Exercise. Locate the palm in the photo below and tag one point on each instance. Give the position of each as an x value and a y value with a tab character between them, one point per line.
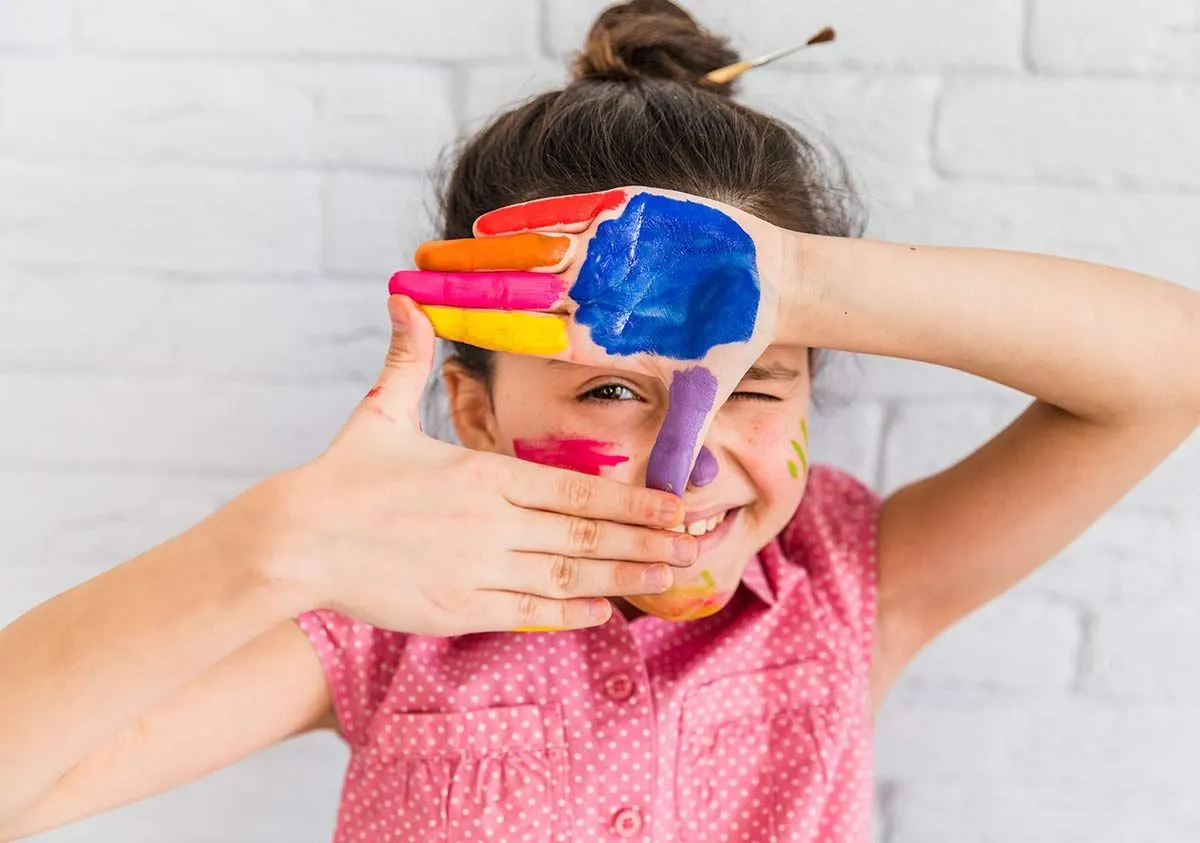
650	281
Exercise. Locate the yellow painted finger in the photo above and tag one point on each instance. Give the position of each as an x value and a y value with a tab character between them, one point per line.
512	331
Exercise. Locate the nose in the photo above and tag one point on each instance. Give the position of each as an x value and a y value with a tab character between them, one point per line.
705	469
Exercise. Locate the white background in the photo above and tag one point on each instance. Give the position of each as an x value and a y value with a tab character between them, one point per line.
201	202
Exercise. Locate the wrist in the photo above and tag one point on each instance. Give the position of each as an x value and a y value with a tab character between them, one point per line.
798	296
254	535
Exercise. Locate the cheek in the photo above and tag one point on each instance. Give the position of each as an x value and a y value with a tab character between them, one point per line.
777	454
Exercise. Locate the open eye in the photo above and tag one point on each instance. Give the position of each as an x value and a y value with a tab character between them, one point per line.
610	392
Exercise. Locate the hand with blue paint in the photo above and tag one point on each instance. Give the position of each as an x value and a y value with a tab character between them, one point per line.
679	287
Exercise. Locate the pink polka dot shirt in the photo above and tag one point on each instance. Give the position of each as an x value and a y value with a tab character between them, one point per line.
750	725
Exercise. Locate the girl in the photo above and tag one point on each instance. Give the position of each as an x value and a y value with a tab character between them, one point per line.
694	256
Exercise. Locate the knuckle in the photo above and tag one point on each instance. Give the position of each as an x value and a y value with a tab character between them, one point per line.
584	535
578	492
564	574
527	610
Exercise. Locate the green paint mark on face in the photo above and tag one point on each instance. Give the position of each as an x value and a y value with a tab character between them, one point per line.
799	449
804	430
708	579
792	469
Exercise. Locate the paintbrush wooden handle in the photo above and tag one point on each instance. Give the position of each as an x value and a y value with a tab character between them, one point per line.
723	75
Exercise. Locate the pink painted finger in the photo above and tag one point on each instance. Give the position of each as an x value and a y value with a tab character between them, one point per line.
559	213
479	290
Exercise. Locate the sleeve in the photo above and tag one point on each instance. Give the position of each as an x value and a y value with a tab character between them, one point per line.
360	662
833	536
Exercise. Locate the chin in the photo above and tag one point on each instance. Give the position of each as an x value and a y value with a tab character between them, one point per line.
683	602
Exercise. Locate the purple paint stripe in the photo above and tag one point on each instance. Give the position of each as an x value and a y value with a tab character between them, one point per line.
690	399
484	290
705	470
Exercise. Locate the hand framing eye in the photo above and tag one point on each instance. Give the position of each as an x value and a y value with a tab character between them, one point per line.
661	283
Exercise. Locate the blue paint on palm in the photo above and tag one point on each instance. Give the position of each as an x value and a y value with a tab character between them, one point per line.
668	277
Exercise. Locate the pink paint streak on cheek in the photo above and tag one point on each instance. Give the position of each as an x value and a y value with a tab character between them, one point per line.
586	456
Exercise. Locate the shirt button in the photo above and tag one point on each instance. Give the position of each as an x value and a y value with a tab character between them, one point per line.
619	687
627	822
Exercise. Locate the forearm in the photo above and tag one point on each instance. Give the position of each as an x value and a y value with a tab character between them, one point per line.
83	665
1101	343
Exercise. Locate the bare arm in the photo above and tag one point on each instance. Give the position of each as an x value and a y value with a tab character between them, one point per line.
1110	355
269	690
126	642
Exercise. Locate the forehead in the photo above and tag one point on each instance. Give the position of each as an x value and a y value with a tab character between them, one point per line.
776	363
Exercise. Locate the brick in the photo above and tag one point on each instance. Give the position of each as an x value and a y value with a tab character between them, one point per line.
211	426
1037	740
491	88
1129	556
449	30
1153	234
924	437
903	35
1124	810
375	223
82	320
1115	36
278	114
303	332
1133	133
34	24
287	792
178	219
884	138
1013	644
1135	652
61	528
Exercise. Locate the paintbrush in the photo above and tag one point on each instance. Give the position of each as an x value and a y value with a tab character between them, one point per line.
726	74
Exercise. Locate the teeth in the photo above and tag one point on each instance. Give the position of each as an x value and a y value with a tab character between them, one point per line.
699	528
679	528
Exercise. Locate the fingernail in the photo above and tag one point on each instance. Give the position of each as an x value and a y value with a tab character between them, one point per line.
684	549
672	512
658	578
599	609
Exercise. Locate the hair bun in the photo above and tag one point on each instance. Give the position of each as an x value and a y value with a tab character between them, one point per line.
652	39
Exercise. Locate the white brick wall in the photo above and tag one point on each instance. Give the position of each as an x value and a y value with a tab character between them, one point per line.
200	203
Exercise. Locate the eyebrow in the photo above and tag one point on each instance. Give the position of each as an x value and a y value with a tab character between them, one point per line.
771	372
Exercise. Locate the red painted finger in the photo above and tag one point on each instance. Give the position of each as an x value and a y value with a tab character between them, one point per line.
479	290
560	213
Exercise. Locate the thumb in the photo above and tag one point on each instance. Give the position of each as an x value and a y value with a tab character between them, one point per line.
691	397
397	393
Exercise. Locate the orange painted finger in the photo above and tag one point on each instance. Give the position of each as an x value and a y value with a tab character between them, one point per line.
526	251
560	213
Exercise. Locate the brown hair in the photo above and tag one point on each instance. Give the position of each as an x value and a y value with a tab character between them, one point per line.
637	112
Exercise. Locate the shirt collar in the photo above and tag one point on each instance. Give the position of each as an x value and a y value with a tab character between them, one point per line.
760	576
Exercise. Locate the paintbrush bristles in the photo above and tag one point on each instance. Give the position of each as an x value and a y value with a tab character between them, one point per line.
725	75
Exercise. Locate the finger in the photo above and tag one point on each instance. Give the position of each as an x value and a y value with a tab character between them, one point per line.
579	536
516	332
705	470
691	397
563	577
486	290
531	613
546	252
560	213
397	392
533	486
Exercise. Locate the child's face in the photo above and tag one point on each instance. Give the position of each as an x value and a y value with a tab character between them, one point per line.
605	421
